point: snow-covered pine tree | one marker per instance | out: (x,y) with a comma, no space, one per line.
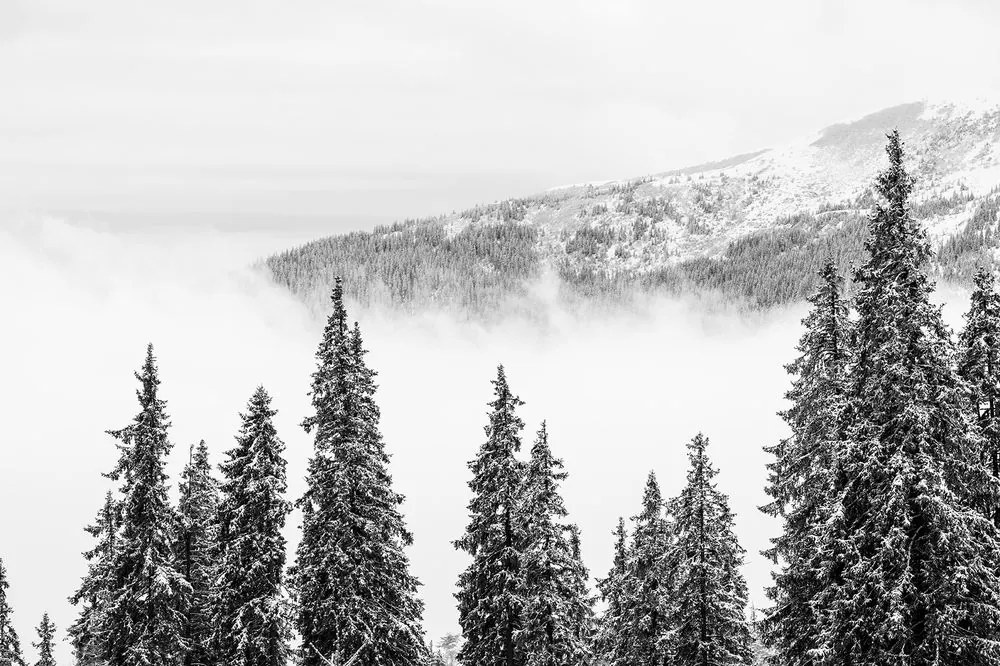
(553,606)
(646,592)
(801,479)
(490,600)
(196,550)
(143,623)
(912,561)
(250,612)
(46,635)
(583,618)
(87,631)
(707,617)
(610,643)
(352,573)
(979,366)
(10,644)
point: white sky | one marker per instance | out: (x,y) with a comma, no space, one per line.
(365,111)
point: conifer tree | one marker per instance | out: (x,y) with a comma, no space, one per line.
(143,623)
(708,625)
(647,585)
(251,615)
(979,366)
(10,644)
(610,643)
(910,561)
(801,480)
(196,548)
(490,600)
(352,573)
(583,619)
(46,634)
(87,633)
(553,602)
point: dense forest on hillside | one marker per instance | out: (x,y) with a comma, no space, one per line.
(494,260)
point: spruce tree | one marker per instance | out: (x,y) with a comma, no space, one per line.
(610,644)
(251,615)
(490,599)
(910,561)
(196,548)
(979,366)
(582,618)
(801,480)
(553,602)
(46,634)
(647,592)
(352,573)
(10,644)
(708,625)
(143,623)
(87,634)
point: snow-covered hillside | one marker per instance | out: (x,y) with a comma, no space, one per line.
(751,227)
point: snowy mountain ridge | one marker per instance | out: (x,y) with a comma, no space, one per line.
(750,226)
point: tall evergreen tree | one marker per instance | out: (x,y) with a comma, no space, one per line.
(911,562)
(647,583)
(801,480)
(584,622)
(251,615)
(196,548)
(10,644)
(553,603)
(490,600)
(46,635)
(143,623)
(352,572)
(708,624)
(88,633)
(979,366)
(611,644)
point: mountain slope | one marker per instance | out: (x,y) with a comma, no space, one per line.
(750,229)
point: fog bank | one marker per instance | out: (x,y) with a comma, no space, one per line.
(622,395)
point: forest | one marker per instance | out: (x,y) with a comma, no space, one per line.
(488,266)
(886,488)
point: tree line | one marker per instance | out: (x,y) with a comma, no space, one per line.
(887,490)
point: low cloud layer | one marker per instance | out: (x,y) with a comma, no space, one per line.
(622,395)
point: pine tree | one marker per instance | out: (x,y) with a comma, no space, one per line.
(610,643)
(490,601)
(582,609)
(708,625)
(801,481)
(979,366)
(352,572)
(647,586)
(553,602)
(87,633)
(10,644)
(196,548)
(46,634)
(148,597)
(251,615)
(910,562)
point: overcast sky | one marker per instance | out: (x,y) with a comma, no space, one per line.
(360,112)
